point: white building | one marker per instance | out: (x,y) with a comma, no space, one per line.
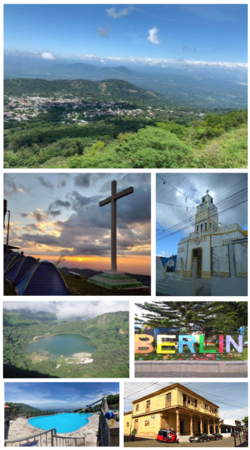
(207,234)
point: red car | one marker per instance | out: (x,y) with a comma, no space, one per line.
(168,436)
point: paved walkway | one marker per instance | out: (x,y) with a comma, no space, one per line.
(20,428)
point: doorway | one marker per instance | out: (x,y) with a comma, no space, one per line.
(197,253)
(182,430)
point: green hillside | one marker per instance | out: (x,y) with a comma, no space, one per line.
(22,407)
(96,90)
(109,333)
(216,142)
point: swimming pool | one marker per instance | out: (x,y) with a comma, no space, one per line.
(64,423)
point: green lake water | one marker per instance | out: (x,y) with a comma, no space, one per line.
(64,344)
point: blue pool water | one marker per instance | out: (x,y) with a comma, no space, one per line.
(64,423)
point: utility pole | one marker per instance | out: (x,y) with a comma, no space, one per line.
(8,232)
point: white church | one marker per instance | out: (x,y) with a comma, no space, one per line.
(207,234)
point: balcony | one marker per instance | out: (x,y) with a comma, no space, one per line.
(233,227)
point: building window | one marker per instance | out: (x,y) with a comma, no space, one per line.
(148,405)
(146,423)
(211,200)
(205,225)
(127,424)
(210,226)
(137,407)
(168,400)
(203,200)
(197,227)
(201,226)
(213,226)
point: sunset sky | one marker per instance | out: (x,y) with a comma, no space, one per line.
(54,214)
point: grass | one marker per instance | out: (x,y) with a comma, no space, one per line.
(228,151)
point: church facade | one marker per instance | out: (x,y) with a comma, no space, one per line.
(207,234)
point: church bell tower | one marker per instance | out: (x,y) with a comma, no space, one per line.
(206,217)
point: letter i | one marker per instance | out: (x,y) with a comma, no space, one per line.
(221,343)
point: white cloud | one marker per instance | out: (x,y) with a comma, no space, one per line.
(114,58)
(47,55)
(71,309)
(153,36)
(116,15)
(87,56)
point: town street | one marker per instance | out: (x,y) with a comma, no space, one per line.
(140,442)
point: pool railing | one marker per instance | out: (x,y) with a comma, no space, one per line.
(47,438)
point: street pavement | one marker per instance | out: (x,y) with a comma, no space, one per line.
(140,442)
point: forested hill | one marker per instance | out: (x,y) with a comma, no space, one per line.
(22,407)
(109,333)
(96,90)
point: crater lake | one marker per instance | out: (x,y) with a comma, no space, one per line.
(63,344)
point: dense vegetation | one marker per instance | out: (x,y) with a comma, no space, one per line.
(108,332)
(22,407)
(218,141)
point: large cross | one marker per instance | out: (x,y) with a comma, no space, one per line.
(113,199)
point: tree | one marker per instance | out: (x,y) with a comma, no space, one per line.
(177,315)
(245,420)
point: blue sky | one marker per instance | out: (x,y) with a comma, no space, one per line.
(58,395)
(227,190)
(111,33)
(232,398)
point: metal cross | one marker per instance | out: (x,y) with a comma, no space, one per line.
(114,197)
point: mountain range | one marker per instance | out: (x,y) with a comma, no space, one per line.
(182,86)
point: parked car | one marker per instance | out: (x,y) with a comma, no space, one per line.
(216,436)
(201,437)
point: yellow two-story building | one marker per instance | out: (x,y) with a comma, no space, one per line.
(174,407)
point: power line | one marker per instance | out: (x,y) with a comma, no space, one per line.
(141,389)
(164,181)
(221,212)
(201,212)
(179,206)
(227,199)
(245,179)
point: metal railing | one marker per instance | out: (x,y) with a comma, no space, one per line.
(240,440)
(67,441)
(44,437)
(47,438)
